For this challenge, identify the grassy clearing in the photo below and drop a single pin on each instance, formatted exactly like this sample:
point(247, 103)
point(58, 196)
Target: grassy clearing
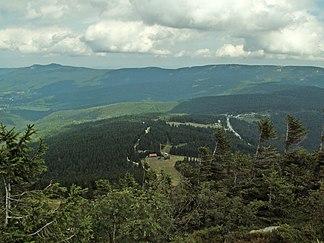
point(58, 120)
point(33, 107)
point(252, 117)
point(167, 166)
point(13, 121)
point(54, 204)
point(215, 125)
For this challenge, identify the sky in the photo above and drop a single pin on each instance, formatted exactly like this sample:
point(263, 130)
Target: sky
point(163, 33)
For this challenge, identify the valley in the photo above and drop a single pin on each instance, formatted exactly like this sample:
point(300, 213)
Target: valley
point(166, 167)
point(169, 147)
point(153, 121)
point(34, 92)
point(64, 102)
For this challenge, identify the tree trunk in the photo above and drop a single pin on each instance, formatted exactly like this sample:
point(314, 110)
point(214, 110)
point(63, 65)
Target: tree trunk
point(258, 148)
point(7, 201)
point(286, 138)
point(215, 149)
point(114, 230)
point(235, 177)
point(322, 141)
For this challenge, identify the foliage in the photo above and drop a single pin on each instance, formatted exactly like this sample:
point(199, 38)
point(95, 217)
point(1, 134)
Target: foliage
point(241, 196)
point(39, 90)
point(36, 215)
point(295, 133)
point(130, 214)
point(224, 196)
point(290, 100)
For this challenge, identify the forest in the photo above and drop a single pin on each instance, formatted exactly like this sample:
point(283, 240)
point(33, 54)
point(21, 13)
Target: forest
point(226, 195)
point(74, 156)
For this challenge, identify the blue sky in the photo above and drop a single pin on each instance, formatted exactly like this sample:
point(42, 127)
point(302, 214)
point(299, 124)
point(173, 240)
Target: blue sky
point(165, 33)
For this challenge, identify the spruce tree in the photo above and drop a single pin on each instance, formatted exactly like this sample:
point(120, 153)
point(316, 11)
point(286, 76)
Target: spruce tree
point(20, 165)
point(266, 132)
point(295, 133)
point(36, 215)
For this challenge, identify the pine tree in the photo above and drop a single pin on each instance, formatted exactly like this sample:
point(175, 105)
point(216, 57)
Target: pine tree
point(322, 141)
point(36, 215)
point(20, 165)
point(222, 142)
point(295, 133)
point(266, 132)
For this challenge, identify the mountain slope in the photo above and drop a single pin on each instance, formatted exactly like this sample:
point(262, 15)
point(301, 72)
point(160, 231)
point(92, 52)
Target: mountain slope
point(56, 87)
point(56, 121)
point(297, 99)
point(32, 93)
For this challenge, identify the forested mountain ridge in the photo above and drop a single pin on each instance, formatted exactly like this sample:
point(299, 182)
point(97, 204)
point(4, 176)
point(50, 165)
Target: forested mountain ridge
point(295, 99)
point(247, 160)
point(224, 196)
point(107, 148)
point(43, 89)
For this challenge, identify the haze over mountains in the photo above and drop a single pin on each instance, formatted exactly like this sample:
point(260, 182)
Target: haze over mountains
point(129, 121)
point(32, 93)
point(105, 124)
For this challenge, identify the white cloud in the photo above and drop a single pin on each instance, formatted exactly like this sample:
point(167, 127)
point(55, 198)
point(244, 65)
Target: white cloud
point(229, 50)
point(119, 36)
point(265, 27)
point(223, 28)
point(225, 15)
point(42, 41)
point(39, 12)
point(51, 11)
point(204, 53)
point(303, 39)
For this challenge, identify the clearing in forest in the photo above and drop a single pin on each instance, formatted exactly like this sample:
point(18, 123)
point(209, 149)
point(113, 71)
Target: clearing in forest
point(167, 166)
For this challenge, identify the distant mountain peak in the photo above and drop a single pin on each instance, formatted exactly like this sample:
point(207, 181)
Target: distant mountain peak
point(47, 66)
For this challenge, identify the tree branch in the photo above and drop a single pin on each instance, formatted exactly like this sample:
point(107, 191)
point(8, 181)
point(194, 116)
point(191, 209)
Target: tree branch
point(69, 238)
point(39, 230)
point(17, 217)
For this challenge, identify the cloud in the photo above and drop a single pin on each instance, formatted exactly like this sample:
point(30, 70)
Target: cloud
point(131, 36)
point(303, 38)
point(229, 50)
point(51, 11)
point(285, 28)
point(218, 15)
point(223, 28)
point(203, 53)
point(42, 41)
point(39, 12)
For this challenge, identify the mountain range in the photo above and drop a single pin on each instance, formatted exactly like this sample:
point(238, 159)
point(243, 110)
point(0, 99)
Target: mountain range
point(29, 94)
point(91, 118)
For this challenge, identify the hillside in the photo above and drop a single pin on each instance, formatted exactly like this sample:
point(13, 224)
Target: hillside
point(59, 120)
point(111, 147)
point(106, 148)
point(296, 99)
point(82, 111)
point(39, 90)
point(305, 103)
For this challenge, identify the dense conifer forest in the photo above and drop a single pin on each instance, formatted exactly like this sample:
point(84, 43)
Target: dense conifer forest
point(75, 156)
point(246, 170)
point(226, 195)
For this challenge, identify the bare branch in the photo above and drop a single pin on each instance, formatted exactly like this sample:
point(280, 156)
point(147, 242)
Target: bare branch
point(14, 199)
point(39, 230)
point(48, 186)
point(25, 192)
point(21, 194)
point(69, 238)
point(17, 217)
